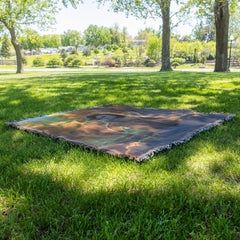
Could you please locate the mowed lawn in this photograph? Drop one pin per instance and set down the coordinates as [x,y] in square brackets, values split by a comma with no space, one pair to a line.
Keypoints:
[53,190]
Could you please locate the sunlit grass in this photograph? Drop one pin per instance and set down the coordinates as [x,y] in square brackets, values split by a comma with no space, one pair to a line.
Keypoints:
[53,190]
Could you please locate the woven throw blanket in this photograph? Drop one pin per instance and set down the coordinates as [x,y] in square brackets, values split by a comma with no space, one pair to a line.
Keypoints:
[123,130]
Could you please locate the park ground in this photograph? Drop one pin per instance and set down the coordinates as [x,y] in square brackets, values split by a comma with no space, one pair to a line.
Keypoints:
[53,190]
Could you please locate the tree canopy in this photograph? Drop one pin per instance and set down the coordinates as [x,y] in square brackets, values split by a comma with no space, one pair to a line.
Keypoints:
[17,15]
[97,36]
[71,38]
[22,13]
[145,9]
[5,49]
[220,10]
[234,25]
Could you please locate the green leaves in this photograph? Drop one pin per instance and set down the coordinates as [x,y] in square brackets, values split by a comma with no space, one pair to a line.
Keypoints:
[71,38]
[74,3]
[21,13]
[16,15]
[97,36]
[5,49]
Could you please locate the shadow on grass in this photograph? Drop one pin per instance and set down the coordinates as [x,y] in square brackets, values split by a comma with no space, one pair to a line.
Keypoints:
[110,198]
[43,206]
[70,91]
[34,95]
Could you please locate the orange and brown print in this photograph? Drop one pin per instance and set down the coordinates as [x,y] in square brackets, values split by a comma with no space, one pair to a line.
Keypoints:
[124,130]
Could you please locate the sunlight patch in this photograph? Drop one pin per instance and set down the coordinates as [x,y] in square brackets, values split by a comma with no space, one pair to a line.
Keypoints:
[123,130]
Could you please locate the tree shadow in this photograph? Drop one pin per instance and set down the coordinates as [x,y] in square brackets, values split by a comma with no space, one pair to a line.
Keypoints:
[162,198]
[51,209]
[72,91]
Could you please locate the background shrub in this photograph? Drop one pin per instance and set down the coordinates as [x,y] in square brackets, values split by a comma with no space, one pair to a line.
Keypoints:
[125,50]
[63,54]
[109,61]
[119,60]
[97,62]
[24,60]
[126,58]
[76,62]
[96,50]
[38,62]
[175,64]
[150,62]
[86,52]
[74,51]
[178,60]
[73,61]
[115,46]
[68,60]
[138,62]
[118,52]
[109,48]
[130,63]
[54,62]
[203,59]
[105,51]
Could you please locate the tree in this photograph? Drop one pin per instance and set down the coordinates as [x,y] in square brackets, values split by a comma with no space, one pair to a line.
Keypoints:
[154,48]
[124,35]
[51,41]
[5,50]
[234,25]
[221,10]
[186,38]
[97,36]
[15,15]
[144,9]
[165,9]
[72,38]
[205,32]
[144,35]
[63,54]
[115,35]
[31,41]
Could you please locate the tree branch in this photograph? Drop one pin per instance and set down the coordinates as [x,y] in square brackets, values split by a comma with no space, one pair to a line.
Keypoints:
[5,23]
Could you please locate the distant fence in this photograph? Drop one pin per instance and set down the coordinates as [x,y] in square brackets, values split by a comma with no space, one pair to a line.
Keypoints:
[232,63]
[210,61]
[235,64]
[8,62]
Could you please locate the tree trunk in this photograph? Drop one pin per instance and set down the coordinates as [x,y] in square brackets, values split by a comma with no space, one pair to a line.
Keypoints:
[165,8]
[17,48]
[221,12]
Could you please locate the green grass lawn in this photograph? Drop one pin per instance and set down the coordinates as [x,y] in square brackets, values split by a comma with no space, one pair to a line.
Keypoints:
[53,190]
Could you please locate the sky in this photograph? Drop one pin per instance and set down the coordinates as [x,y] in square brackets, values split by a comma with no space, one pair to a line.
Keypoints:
[88,13]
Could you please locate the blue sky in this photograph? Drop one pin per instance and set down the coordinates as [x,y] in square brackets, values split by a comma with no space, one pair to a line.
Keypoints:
[89,13]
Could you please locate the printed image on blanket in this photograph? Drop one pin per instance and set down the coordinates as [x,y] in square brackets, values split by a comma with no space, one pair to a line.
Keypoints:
[123,130]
